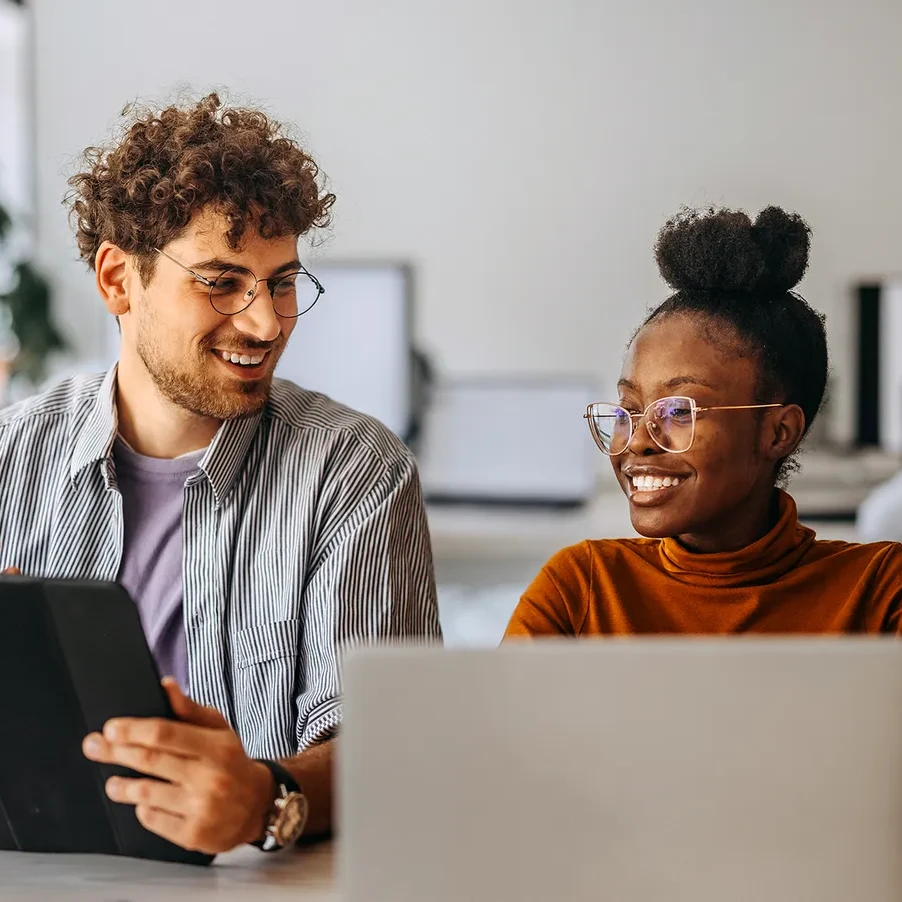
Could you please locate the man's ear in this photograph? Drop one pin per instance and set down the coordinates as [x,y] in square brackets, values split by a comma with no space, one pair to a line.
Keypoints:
[783,431]
[111,266]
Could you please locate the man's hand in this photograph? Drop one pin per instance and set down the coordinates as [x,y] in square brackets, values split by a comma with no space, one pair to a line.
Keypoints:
[11,571]
[213,797]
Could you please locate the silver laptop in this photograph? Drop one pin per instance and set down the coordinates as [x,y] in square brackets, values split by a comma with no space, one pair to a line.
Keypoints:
[739,770]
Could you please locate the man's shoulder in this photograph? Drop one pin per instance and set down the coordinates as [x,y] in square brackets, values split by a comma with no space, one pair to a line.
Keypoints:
[306,412]
[65,401]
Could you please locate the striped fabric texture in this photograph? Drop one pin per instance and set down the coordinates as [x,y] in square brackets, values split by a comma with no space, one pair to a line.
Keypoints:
[304,534]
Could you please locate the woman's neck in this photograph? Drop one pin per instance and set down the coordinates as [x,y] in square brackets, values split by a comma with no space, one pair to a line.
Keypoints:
[759,515]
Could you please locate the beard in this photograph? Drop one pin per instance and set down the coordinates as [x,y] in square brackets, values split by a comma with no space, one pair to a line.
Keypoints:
[199,384]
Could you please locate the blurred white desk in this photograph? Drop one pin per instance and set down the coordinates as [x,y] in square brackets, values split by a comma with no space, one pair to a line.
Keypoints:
[488,531]
[486,556]
[306,875]
[830,485]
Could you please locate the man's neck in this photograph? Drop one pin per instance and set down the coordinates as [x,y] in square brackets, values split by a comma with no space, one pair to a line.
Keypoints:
[151,424]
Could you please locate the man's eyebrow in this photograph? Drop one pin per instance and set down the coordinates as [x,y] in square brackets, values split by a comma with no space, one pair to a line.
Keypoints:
[218,263]
[215,263]
[290,266]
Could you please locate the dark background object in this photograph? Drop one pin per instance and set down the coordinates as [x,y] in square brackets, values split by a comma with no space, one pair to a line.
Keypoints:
[867,430]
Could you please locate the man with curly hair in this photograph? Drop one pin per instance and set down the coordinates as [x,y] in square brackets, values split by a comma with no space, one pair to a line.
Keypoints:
[260,528]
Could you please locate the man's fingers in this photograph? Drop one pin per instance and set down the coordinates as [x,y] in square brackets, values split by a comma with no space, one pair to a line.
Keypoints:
[158,794]
[185,739]
[189,711]
[163,823]
[150,761]
[11,571]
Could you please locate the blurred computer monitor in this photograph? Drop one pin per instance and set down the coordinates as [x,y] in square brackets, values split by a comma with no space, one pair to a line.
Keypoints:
[509,440]
[355,345]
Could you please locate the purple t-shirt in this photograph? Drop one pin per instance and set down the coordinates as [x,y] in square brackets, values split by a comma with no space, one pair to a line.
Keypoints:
[152,498]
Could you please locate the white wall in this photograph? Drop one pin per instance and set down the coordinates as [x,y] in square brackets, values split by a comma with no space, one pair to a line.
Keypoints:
[15,129]
[522,155]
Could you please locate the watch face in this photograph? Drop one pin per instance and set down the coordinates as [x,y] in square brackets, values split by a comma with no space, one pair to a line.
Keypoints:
[291,819]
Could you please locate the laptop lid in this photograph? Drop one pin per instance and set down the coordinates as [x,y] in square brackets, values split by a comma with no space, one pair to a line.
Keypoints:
[667,769]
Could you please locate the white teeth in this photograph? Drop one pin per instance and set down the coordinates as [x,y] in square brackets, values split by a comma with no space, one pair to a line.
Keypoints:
[654,483]
[243,359]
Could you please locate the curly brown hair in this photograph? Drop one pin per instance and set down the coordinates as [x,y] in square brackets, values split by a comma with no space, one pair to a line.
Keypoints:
[142,191]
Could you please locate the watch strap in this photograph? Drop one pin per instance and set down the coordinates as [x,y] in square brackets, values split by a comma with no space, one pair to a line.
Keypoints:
[284,783]
[281,775]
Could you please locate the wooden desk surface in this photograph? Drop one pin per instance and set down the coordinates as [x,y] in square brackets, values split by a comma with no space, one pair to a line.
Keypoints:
[305,875]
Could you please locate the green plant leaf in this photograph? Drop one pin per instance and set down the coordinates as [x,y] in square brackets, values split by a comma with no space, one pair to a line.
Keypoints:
[5,223]
[29,304]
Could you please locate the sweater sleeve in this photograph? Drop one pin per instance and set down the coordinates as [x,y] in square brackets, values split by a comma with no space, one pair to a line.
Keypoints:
[555,602]
[886,593]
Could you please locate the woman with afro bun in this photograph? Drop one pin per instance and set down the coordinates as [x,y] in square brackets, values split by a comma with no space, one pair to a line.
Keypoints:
[719,387]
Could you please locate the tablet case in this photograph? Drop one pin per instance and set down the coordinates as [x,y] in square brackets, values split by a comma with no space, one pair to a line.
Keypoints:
[72,655]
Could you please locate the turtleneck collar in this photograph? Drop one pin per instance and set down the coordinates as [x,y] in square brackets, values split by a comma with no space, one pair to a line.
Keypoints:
[759,563]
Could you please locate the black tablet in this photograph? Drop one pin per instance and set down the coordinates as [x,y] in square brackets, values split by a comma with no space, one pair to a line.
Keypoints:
[72,655]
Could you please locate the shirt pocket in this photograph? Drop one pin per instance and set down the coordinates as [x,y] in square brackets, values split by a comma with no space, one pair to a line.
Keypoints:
[265,642]
[266,688]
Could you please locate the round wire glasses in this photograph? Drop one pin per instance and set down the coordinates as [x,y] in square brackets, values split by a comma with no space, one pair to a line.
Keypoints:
[234,290]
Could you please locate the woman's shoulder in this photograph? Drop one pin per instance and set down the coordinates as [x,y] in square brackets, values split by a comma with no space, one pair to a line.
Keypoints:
[558,599]
[879,563]
[889,553]
[603,552]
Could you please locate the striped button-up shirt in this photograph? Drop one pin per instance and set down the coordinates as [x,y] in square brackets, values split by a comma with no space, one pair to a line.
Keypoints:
[304,534]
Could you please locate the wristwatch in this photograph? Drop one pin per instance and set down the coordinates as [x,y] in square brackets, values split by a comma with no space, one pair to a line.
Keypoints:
[287,817]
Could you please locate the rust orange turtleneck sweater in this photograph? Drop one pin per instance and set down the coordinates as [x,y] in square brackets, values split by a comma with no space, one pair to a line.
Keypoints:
[787,582]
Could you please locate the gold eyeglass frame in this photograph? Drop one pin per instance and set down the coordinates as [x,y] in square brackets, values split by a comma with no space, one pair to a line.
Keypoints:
[635,418]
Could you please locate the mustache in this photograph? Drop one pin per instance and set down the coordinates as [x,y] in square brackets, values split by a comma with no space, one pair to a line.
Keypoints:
[240,344]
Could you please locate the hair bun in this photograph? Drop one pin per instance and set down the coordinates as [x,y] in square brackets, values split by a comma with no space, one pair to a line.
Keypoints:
[723,250]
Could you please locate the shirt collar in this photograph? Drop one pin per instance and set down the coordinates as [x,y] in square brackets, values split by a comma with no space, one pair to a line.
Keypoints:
[221,463]
[94,442]
[227,453]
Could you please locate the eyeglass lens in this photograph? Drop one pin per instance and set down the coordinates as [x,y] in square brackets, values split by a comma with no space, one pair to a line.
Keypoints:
[670,423]
[292,294]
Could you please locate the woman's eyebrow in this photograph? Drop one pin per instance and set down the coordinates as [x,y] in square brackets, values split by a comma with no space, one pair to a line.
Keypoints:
[670,384]
[679,381]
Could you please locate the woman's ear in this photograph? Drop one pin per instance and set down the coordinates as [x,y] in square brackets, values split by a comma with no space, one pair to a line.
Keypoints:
[111,267]
[783,431]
